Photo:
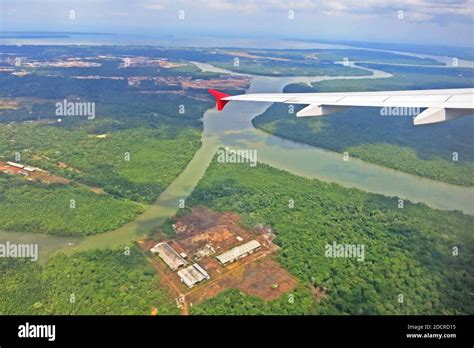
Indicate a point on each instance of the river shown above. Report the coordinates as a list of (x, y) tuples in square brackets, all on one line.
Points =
[(233, 128)]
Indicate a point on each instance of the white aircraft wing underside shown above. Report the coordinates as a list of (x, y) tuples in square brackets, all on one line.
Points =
[(440, 104)]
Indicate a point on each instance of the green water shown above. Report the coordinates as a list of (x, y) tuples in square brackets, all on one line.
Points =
[(233, 128)]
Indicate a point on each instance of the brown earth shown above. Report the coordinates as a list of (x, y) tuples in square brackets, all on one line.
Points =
[(258, 274), (48, 178), (203, 226), (263, 278)]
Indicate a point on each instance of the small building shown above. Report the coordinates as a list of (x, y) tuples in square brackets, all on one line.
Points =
[(203, 252), (193, 274), (169, 256), (238, 252)]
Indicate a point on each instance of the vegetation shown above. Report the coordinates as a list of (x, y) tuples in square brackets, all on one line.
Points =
[(235, 302), (441, 50), (92, 282), (136, 145), (356, 55), (59, 209), (408, 251), (310, 62), (20, 286), (352, 55), (386, 140), (137, 163), (404, 77), (268, 67)]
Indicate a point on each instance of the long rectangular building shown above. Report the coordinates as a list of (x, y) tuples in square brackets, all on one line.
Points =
[(17, 165), (193, 274), (238, 252), (169, 255)]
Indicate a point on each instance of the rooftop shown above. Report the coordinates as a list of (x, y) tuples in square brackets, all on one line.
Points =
[(169, 255), (193, 274), (238, 251)]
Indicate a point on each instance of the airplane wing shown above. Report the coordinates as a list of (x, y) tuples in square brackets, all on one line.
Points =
[(441, 104)]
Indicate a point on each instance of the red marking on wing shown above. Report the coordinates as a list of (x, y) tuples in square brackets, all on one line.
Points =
[(219, 95)]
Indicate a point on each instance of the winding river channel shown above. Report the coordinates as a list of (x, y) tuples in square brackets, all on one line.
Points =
[(233, 128)]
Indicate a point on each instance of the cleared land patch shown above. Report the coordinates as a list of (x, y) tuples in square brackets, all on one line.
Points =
[(200, 236)]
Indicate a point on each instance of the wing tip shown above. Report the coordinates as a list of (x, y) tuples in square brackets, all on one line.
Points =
[(218, 96)]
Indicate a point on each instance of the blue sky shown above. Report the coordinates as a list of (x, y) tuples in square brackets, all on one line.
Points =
[(444, 22)]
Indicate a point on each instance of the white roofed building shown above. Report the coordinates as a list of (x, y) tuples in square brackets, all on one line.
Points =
[(17, 165), (238, 252), (169, 255), (193, 274)]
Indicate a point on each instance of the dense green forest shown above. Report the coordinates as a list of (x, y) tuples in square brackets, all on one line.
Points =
[(92, 282), (27, 206), (390, 141), (136, 163), (408, 251)]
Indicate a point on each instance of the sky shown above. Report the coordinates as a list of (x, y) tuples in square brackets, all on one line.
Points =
[(443, 22)]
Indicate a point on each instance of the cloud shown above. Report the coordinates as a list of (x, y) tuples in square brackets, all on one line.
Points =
[(231, 6), (433, 21), (155, 6), (413, 10)]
